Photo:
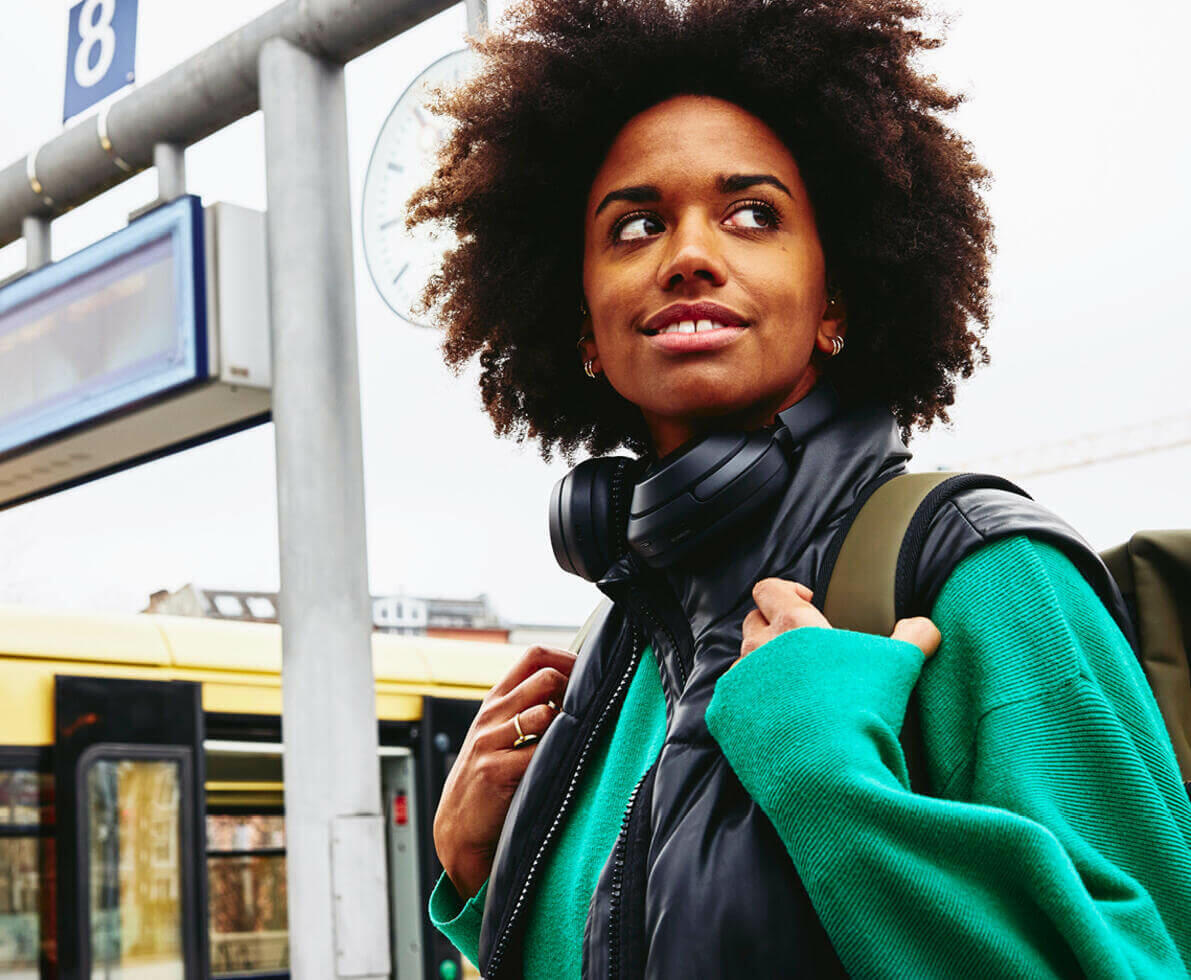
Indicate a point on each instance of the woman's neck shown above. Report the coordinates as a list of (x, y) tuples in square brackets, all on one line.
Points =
[(668, 433)]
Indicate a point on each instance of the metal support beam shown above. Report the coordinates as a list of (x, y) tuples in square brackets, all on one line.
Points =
[(211, 90), (332, 782), (169, 160), (36, 232)]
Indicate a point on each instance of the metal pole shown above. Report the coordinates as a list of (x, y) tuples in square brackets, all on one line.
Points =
[(338, 903), (169, 159), (36, 232), (206, 92)]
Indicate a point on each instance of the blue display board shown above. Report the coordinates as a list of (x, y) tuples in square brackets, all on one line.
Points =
[(100, 52), (104, 329)]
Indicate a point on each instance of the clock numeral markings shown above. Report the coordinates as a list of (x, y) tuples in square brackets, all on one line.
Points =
[(396, 168), (400, 274), (389, 224)]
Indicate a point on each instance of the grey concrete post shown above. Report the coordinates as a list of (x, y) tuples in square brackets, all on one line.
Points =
[(335, 849), (36, 232)]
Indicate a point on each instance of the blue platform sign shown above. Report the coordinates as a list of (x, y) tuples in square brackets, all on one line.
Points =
[(100, 52)]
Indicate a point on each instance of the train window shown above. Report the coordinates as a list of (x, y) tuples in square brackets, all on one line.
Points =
[(134, 862), (246, 892), (26, 871)]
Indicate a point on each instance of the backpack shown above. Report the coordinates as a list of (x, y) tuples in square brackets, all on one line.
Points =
[(869, 570)]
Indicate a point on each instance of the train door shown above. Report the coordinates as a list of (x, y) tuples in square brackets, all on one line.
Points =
[(128, 776), (443, 727), (247, 914), (406, 904), (27, 877)]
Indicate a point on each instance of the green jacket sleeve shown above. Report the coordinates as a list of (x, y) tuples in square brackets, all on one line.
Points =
[(458, 920), (1057, 841)]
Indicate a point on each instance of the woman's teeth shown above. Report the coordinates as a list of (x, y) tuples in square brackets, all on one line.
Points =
[(692, 326)]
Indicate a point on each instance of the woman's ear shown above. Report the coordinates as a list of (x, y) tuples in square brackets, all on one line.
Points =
[(589, 354), (833, 325)]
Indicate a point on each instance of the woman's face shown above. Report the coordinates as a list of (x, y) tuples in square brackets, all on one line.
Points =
[(699, 216)]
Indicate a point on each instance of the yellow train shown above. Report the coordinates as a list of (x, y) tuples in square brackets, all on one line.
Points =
[(142, 796)]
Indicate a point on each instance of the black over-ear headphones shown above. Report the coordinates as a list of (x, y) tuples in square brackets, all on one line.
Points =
[(666, 510)]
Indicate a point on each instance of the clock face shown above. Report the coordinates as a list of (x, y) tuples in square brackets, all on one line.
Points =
[(403, 159)]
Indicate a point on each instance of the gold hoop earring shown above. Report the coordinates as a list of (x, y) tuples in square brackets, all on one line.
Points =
[(837, 345), (588, 370)]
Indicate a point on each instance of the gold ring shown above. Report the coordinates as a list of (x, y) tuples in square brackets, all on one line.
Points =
[(522, 738)]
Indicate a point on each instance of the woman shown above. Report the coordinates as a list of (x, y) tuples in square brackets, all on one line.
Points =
[(681, 220)]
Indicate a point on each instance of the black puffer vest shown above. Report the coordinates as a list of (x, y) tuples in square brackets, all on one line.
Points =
[(699, 884)]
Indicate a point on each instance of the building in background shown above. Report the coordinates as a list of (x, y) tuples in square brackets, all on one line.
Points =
[(453, 618)]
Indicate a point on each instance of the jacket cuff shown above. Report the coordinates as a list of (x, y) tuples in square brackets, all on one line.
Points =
[(456, 919), (810, 695)]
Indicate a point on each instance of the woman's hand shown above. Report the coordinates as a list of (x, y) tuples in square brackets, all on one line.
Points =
[(480, 785), (783, 606)]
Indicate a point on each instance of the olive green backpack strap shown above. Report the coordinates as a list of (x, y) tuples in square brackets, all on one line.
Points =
[(869, 572), (597, 615), (860, 594), (1153, 570), (861, 573)]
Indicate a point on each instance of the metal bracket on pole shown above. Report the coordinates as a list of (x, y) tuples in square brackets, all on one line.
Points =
[(477, 18), (105, 141), (169, 159), (35, 229), (36, 232)]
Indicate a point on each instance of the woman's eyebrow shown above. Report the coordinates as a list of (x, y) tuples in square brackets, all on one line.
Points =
[(738, 182), (636, 195), (641, 193)]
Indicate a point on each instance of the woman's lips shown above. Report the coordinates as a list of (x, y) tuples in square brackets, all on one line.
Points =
[(701, 340)]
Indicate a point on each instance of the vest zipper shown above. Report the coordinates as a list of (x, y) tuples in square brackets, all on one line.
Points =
[(641, 603), (617, 884), (617, 895), (680, 655), (614, 702)]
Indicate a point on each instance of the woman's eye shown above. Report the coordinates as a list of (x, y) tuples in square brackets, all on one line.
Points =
[(754, 215), (637, 226)]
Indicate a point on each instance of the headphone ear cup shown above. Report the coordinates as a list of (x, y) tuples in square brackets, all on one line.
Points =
[(589, 510)]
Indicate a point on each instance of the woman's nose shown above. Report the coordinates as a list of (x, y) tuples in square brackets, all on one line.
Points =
[(692, 254)]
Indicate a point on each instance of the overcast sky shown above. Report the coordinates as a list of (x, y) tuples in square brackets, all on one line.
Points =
[(1079, 111)]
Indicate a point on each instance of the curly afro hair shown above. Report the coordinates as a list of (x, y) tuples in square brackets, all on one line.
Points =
[(905, 231)]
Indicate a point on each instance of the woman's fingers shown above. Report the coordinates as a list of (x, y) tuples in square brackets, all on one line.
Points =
[(533, 660), (754, 632), (773, 594), (533, 721), (920, 631), (547, 684), (487, 771), (787, 605)]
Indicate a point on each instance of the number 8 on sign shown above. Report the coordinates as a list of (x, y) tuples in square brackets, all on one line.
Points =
[(95, 31), (100, 51)]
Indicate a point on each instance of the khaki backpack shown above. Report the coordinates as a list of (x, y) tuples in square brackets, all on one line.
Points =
[(1153, 571)]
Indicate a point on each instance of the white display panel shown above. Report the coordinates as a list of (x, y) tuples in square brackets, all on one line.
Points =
[(148, 342), (105, 328)]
